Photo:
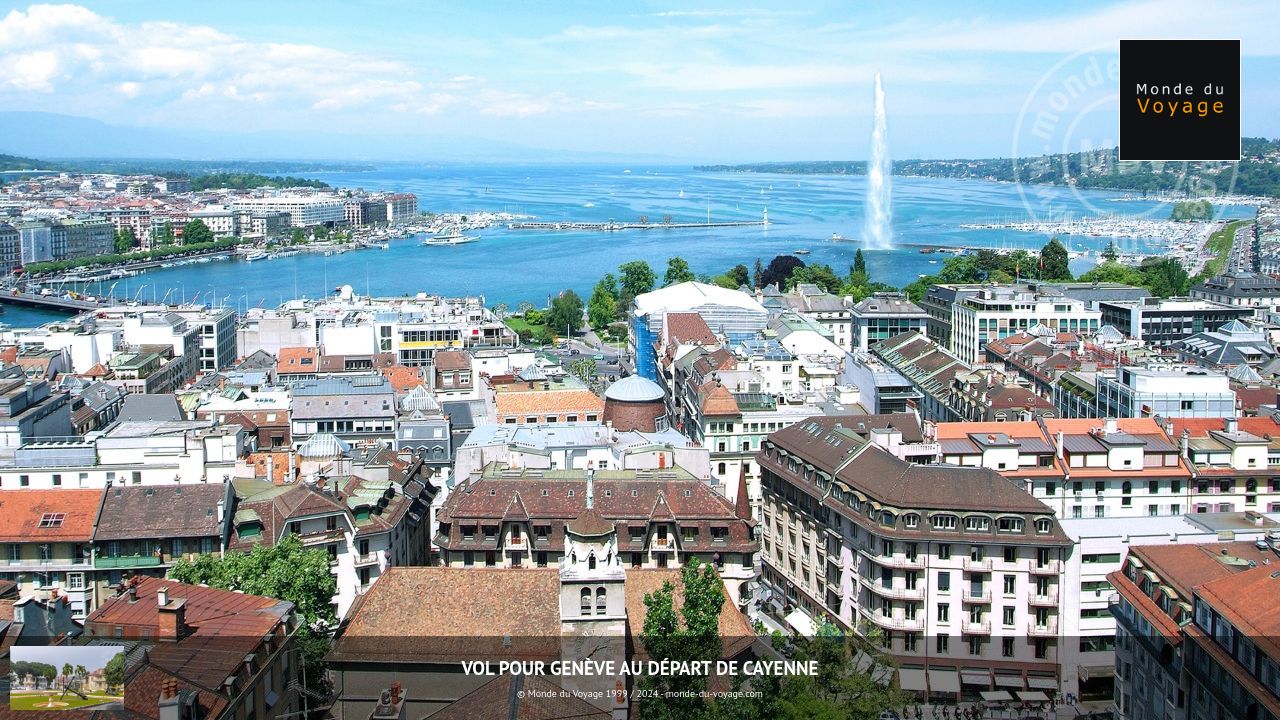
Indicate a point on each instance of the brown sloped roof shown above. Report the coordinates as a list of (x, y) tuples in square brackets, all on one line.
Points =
[(163, 511), (452, 360), (520, 697), (56, 514), (589, 524)]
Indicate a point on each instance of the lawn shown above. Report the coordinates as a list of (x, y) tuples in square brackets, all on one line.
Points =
[(37, 700), (1220, 245)]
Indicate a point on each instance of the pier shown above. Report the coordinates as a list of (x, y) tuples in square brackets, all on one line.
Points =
[(612, 226)]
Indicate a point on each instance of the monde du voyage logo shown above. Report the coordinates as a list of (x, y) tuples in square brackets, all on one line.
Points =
[(1180, 100)]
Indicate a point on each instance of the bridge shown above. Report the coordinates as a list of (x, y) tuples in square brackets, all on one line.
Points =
[(52, 302)]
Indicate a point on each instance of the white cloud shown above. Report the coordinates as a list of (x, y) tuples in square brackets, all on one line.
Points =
[(29, 71), (129, 89)]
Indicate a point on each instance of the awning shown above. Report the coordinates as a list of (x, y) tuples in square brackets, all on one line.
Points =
[(911, 679), (996, 696), (944, 681), (801, 623), (1014, 681), (976, 677), (1044, 683), (1033, 696)]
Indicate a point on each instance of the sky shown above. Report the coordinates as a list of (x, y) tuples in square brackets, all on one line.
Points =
[(91, 656), (730, 81)]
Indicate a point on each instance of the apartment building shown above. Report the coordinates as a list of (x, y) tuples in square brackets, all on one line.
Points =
[(30, 410), (996, 312), (1235, 463), (304, 210), (401, 207), (365, 523), (930, 368), (517, 517), (1163, 321), (958, 568), (1255, 291), (10, 248), (1195, 629), (352, 408), (882, 316), (1164, 390), (198, 659), (813, 303)]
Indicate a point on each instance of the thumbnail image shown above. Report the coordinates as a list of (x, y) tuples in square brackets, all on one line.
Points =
[(66, 678)]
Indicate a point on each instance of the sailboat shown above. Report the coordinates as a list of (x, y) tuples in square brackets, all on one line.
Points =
[(681, 192)]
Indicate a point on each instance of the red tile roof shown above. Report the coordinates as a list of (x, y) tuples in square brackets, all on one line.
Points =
[(684, 328), (298, 360), (61, 514), (452, 360), (402, 378), (1200, 427)]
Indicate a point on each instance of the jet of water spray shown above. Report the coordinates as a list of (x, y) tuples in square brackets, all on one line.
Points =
[(878, 231)]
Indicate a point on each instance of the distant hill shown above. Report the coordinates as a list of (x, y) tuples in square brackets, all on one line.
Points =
[(15, 162), (1259, 170)]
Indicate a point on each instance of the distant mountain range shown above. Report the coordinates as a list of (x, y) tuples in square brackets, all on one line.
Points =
[(1258, 170), (53, 136)]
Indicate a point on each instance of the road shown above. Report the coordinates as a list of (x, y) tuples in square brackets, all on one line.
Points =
[(608, 366)]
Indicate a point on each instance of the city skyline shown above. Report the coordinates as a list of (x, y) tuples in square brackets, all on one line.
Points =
[(711, 82)]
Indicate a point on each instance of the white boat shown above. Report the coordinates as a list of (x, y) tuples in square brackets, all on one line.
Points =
[(836, 237), (255, 255), (802, 252), (452, 238), (589, 205)]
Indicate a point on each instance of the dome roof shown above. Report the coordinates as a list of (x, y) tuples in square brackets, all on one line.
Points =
[(634, 389), (323, 445)]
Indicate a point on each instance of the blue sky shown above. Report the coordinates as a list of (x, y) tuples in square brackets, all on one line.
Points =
[(688, 80)]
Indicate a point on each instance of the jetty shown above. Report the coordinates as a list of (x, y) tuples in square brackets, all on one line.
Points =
[(614, 226), (53, 302)]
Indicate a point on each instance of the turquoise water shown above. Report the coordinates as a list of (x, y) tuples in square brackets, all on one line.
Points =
[(513, 265)]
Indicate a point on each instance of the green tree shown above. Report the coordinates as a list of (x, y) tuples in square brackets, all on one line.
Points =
[(50, 672), (565, 313), (321, 232), (196, 232), (125, 240), (166, 235), (697, 638), (739, 275), (584, 368), (297, 236), (1054, 261), (602, 308), (637, 278), (677, 272), (1110, 254), (501, 310), (859, 262), (779, 271), (852, 681), (67, 671), (821, 275), (287, 571), (757, 274), (113, 673), (1165, 277)]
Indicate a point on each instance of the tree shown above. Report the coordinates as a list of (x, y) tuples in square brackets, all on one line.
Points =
[(1165, 277), (1054, 261), (195, 232), (287, 571), (859, 262), (125, 241), (584, 368), (852, 681), (67, 670), (523, 308), (297, 236), (779, 271), (637, 278), (320, 232), (565, 313), (757, 274), (677, 272), (679, 696), (1110, 254), (113, 673), (166, 235), (739, 275), (1112, 272), (821, 275), (501, 310), (602, 308)]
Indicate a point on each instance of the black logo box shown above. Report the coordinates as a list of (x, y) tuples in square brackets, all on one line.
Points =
[(1187, 66)]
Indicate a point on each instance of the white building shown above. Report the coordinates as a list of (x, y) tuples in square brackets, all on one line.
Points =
[(304, 210), (997, 312)]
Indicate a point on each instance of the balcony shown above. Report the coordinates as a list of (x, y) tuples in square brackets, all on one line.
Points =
[(663, 544), (897, 623), (893, 561), (896, 593), (50, 564), (368, 559), (1048, 628), (323, 537), (128, 561), (982, 627), (977, 596), (1052, 567), (972, 565), (1043, 600), (517, 543)]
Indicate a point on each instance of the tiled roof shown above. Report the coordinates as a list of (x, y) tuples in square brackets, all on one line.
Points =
[(297, 360), (550, 402), (717, 400), (452, 360), (688, 328), (736, 633), (60, 514), (402, 378), (163, 511)]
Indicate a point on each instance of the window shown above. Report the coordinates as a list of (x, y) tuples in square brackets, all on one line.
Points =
[(944, 551), (51, 520), (24, 481), (601, 603), (490, 558), (1006, 646), (944, 581), (1010, 584), (944, 613), (585, 602), (57, 480), (1011, 525), (1008, 616), (1010, 554), (941, 644)]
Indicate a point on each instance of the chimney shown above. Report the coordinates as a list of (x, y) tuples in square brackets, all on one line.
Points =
[(162, 595), (391, 704), (1185, 443), (1110, 426), (170, 704), (172, 620), (133, 595), (1232, 424), (1058, 450), (222, 510), (591, 485)]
